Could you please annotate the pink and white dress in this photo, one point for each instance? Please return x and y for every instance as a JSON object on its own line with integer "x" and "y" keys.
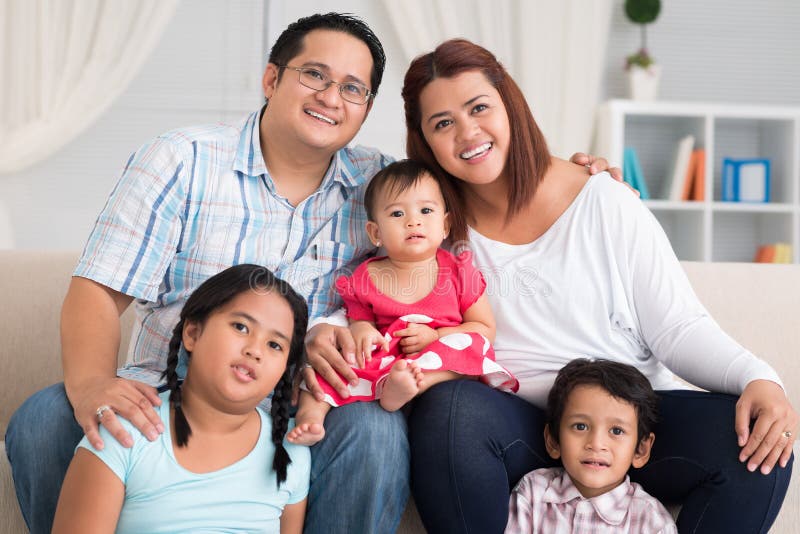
{"x": 458, "y": 286}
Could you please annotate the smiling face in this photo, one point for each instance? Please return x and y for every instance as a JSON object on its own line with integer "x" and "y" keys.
{"x": 239, "y": 354}
{"x": 411, "y": 224}
{"x": 318, "y": 120}
{"x": 466, "y": 125}
{"x": 598, "y": 440}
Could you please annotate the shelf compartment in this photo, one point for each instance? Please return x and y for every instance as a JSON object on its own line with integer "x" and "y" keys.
{"x": 737, "y": 235}
{"x": 654, "y": 137}
{"x": 683, "y": 227}
{"x": 757, "y": 138}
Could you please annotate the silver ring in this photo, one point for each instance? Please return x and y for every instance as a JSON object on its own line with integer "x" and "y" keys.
{"x": 307, "y": 366}
{"x": 101, "y": 410}
{"x": 787, "y": 434}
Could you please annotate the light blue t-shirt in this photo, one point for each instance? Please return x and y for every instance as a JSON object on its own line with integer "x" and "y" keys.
{"x": 162, "y": 496}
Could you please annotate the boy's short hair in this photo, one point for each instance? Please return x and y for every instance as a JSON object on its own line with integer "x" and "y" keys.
{"x": 621, "y": 381}
{"x": 399, "y": 176}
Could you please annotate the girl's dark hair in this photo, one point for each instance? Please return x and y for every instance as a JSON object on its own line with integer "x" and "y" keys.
{"x": 528, "y": 157}
{"x": 399, "y": 176}
{"x": 621, "y": 381}
{"x": 205, "y": 300}
{"x": 290, "y": 43}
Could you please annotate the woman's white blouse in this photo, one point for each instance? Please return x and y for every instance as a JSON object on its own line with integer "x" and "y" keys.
{"x": 603, "y": 282}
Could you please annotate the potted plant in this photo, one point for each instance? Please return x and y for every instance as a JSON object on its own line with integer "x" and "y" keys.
{"x": 643, "y": 72}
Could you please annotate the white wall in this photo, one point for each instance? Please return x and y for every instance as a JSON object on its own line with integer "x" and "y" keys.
{"x": 206, "y": 68}
{"x": 209, "y": 63}
{"x": 715, "y": 50}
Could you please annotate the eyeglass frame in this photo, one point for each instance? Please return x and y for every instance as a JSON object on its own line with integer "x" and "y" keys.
{"x": 328, "y": 83}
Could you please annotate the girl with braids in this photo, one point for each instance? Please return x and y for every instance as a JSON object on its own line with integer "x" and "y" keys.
{"x": 221, "y": 463}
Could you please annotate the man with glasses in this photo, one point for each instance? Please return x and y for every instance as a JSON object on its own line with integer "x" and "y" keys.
{"x": 354, "y": 92}
{"x": 280, "y": 189}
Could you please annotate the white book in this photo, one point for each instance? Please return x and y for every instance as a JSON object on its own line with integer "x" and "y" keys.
{"x": 673, "y": 181}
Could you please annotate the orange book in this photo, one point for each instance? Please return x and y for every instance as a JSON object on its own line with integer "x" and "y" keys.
{"x": 699, "y": 185}
{"x": 689, "y": 176}
{"x": 765, "y": 254}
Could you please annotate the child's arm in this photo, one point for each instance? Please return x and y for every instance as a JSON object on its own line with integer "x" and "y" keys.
{"x": 365, "y": 335}
{"x": 292, "y": 518}
{"x": 477, "y": 318}
{"x": 91, "y": 497}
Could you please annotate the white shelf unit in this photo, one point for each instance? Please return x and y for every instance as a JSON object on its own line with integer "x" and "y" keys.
{"x": 712, "y": 230}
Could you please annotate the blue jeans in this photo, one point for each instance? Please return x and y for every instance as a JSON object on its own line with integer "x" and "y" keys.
{"x": 471, "y": 444}
{"x": 40, "y": 442}
{"x": 359, "y": 472}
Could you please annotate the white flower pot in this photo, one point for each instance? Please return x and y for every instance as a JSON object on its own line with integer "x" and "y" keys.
{"x": 643, "y": 82}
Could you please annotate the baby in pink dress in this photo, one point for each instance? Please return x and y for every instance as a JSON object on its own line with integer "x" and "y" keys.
{"x": 418, "y": 315}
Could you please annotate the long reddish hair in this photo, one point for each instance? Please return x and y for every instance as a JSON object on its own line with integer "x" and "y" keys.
{"x": 528, "y": 156}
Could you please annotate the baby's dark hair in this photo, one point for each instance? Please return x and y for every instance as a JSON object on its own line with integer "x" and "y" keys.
{"x": 621, "y": 381}
{"x": 205, "y": 300}
{"x": 401, "y": 175}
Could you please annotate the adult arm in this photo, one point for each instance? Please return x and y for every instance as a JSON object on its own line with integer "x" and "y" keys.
{"x": 90, "y": 338}
{"x": 127, "y": 255}
{"x": 91, "y": 497}
{"x": 292, "y": 517}
{"x": 682, "y": 335}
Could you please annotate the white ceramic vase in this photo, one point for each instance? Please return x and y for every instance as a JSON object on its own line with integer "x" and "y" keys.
{"x": 643, "y": 82}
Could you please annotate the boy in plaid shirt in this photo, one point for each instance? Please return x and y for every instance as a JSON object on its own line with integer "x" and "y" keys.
{"x": 599, "y": 420}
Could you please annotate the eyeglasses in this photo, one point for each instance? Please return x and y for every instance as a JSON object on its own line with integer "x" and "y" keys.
{"x": 353, "y": 92}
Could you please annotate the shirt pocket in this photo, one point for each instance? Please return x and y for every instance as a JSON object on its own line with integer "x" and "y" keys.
{"x": 322, "y": 262}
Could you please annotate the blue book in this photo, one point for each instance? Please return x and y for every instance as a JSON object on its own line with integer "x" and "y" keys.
{"x": 632, "y": 172}
{"x": 745, "y": 180}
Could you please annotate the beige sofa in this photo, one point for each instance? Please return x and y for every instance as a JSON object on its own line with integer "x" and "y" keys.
{"x": 758, "y": 304}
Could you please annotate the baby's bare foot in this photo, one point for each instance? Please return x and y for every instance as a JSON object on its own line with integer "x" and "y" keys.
{"x": 306, "y": 434}
{"x": 401, "y": 386}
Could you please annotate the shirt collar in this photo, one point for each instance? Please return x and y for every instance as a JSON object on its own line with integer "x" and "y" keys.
{"x": 249, "y": 159}
{"x": 611, "y": 507}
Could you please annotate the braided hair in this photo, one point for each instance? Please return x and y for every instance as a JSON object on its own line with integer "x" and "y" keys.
{"x": 208, "y": 297}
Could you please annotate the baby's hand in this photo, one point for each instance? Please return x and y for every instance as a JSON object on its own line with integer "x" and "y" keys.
{"x": 416, "y": 337}
{"x": 365, "y": 336}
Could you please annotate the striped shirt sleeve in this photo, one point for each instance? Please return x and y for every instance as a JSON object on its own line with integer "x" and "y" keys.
{"x": 136, "y": 234}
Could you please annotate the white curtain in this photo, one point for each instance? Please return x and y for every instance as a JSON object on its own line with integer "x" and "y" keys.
{"x": 62, "y": 63}
{"x": 555, "y": 50}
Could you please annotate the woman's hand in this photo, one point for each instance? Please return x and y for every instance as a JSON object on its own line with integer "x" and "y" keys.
{"x": 331, "y": 352}
{"x": 774, "y": 429}
{"x": 596, "y": 165}
{"x": 416, "y": 337}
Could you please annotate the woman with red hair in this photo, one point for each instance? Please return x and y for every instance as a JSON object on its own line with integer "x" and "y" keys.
{"x": 576, "y": 267}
